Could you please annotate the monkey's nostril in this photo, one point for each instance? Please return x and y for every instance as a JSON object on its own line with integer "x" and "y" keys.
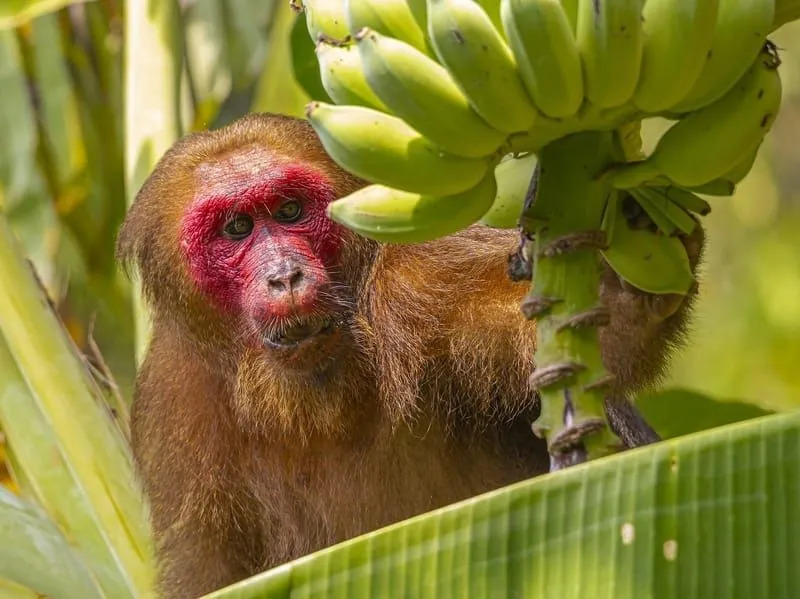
{"x": 295, "y": 277}
{"x": 285, "y": 282}
{"x": 277, "y": 284}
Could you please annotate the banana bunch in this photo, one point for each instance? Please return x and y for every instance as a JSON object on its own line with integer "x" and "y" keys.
{"x": 717, "y": 141}
{"x": 434, "y": 96}
{"x": 393, "y": 215}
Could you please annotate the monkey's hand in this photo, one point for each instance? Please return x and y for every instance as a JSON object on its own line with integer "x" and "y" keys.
{"x": 644, "y": 327}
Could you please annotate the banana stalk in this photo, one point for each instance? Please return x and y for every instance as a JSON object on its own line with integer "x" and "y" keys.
{"x": 562, "y": 216}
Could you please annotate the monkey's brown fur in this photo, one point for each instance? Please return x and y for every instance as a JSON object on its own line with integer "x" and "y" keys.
{"x": 248, "y": 464}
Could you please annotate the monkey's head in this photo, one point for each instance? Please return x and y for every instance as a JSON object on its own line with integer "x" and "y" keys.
{"x": 231, "y": 238}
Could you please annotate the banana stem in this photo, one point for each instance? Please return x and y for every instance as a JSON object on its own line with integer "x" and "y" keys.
{"x": 563, "y": 216}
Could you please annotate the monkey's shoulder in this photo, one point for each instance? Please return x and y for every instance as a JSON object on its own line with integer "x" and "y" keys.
{"x": 470, "y": 253}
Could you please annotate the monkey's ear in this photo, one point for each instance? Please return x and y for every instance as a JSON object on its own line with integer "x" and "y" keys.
{"x": 128, "y": 247}
{"x": 138, "y": 235}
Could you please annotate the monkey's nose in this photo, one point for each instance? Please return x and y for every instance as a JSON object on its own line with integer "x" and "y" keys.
{"x": 286, "y": 281}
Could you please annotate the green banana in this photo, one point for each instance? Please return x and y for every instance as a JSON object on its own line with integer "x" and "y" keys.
{"x": 726, "y": 184}
{"x": 384, "y": 149}
{"x": 342, "y": 76}
{"x": 743, "y": 168}
{"x": 662, "y": 210}
{"x": 660, "y": 220}
{"x": 717, "y": 187}
{"x": 685, "y": 199}
{"x": 326, "y": 17}
{"x": 389, "y": 17}
{"x": 708, "y": 143}
{"x": 467, "y": 43}
{"x": 676, "y": 41}
{"x": 421, "y": 92}
{"x": 610, "y": 42}
{"x": 739, "y": 33}
{"x": 395, "y": 216}
{"x": 547, "y": 56}
{"x": 652, "y": 262}
{"x": 513, "y": 176}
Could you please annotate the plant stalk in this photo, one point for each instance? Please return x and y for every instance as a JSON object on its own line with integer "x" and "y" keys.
{"x": 562, "y": 218}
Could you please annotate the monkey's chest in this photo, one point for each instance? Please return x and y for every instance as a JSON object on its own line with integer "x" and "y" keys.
{"x": 315, "y": 498}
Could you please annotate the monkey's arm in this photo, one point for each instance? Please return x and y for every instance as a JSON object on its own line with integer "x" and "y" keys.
{"x": 183, "y": 449}
{"x": 492, "y": 346}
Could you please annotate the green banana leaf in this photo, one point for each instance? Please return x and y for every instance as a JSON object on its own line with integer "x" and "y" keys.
{"x": 43, "y": 474}
{"x": 39, "y": 557}
{"x": 714, "y": 514}
{"x": 77, "y": 424}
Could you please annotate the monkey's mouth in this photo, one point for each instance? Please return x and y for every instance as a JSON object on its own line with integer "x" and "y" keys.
{"x": 298, "y": 332}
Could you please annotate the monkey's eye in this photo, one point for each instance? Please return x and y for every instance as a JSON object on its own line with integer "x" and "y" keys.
{"x": 288, "y": 212}
{"x": 238, "y": 227}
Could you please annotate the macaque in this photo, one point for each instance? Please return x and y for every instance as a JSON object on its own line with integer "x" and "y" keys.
{"x": 303, "y": 384}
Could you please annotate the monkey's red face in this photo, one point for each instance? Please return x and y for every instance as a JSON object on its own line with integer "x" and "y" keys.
{"x": 259, "y": 245}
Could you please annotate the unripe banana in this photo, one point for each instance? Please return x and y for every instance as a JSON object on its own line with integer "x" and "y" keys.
{"x": 513, "y": 177}
{"x": 389, "y": 17}
{"x": 342, "y": 76}
{"x": 663, "y": 211}
{"x": 326, "y": 17}
{"x": 685, "y": 199}
{"x": 726, "y": 184}
{"x": 717, "y": 187}
{"x": 421, "y": 92}
{"x": 743, "y": 167}
{"x": 610, "y": 42}
{"x": 547, "y": 56}
{"x": 395, "y": 216}
{"x": 739, "y": 33}
{"x": 652, "y": 262}
{"x": 467, "y": 43}
{"x": 676, "y": 41}
{"x": 708, "y": 143}
{"x": 384, "y": 149}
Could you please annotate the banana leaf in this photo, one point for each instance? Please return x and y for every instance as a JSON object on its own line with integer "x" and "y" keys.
{"x": 40, "y": 467}
{"x": 36, "y": 555}
{"x": 73, "y": 406}
{"x": 713, "y": 514}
